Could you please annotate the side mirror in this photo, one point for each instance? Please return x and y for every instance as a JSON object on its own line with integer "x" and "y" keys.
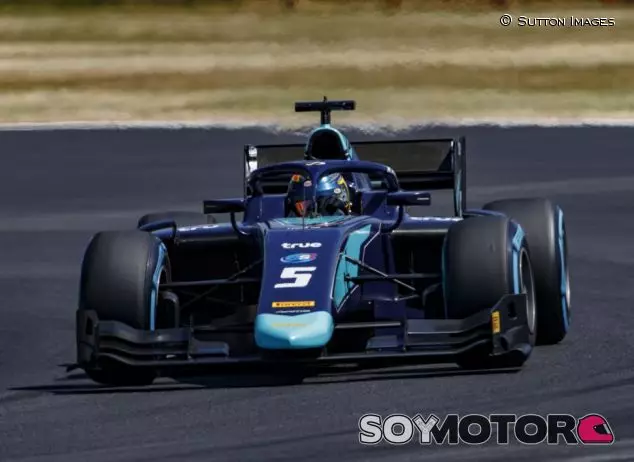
{"x": 409, "y": 198}
{"x": 231, "y": 206}
{"x": 224, "y": 206}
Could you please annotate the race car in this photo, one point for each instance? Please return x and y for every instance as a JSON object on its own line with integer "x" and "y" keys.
{"x": 184, "y": 293}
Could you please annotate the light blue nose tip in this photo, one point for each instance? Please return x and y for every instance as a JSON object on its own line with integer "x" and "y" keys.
{"x": 281, "y": 332}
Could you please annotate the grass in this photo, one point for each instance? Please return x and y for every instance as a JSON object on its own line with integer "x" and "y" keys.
{"x": 252, "y": 63}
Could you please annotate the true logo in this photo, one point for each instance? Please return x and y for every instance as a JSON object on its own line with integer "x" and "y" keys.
{"x": 301, "y": 245}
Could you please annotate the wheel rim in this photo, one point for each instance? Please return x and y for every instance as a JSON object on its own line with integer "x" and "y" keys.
{"x": 528, "y": 288}
{"x": 164, "y": 278}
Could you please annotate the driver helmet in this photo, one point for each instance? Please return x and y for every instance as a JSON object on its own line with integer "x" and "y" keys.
{"x": 331, "y": 196}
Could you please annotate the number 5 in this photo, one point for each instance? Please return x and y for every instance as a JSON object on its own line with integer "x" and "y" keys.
{"x": 300, "y": 279}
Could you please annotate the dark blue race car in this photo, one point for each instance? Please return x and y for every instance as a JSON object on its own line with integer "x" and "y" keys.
{"x": 372, "y": 286}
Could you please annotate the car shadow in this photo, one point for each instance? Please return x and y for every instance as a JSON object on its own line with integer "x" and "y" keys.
{"x": 80, "y": 384}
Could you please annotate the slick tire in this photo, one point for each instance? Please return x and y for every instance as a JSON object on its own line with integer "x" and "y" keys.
{"x": 181, "y": 218}
{"x": 120, "y": 278}
{"x": 545, "y": 230}
{"x": 479, "y": 269}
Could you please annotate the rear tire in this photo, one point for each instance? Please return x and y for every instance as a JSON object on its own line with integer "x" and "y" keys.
{"x": 479, "y": 269}
{"x": 120, "y": 279}
{"x": 546, "y": 234}
{"x": 181, "y": 218}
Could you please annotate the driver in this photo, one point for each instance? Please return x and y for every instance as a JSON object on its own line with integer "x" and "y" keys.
{"x": 332, "y": 197}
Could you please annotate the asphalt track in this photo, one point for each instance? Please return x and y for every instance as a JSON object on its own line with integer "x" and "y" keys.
{"x": 59, "y": 187}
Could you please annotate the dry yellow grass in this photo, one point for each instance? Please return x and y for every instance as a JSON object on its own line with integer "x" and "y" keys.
{"x": 216, "y": 65}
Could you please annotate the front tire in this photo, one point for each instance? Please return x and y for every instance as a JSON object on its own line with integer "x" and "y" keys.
{"x": 120, "y": 279}
{"x": 546, "y": 234}
{"x": 484, "y": 259}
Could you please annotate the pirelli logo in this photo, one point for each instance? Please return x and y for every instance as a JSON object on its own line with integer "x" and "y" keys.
{"x": 295, "y": 304}
{"x": 495, "y": 322}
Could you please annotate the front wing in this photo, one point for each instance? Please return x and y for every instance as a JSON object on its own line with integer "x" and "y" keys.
{"x": 501, "y": 330}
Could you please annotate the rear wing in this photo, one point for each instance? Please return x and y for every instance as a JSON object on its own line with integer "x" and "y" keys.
{"x": 428, "y": 164}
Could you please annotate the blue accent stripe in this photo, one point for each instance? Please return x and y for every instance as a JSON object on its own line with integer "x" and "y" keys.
{"x": 311, "y": 221}
{"x": 156, "y": 277}
{"x": 517, "y": 245}
{"x": 344, "y": 267}
{"x": 563, "y": 265}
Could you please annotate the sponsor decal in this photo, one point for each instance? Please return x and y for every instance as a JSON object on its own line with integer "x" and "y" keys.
{"x": 298, "y": 275}
{"x": 289, "y": 324}
{"x": 495, "y": 322}
{"x": 294, "y": 304}
{"x": 301, "y": 245}
{"x": 299, "y": 258}
{"x": 475, "y": 429}
{"x": 288, "y": 312}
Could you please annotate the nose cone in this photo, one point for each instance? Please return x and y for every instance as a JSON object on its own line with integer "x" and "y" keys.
{"x": 281, "y": 332}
